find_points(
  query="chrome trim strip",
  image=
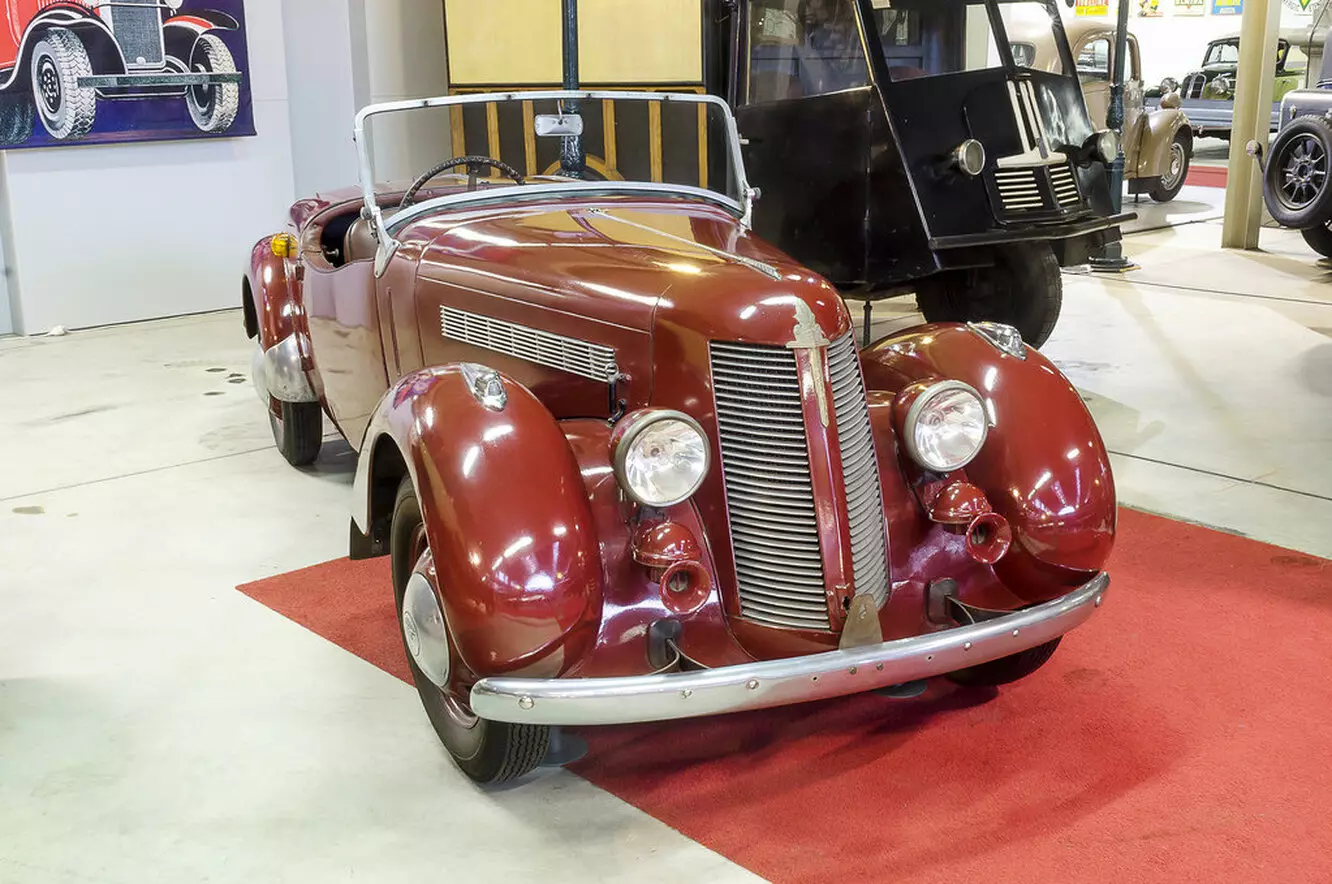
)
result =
(583, 358)
(283, 378)
(674, 695)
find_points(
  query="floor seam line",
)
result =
(133, 475)
(1236, 479)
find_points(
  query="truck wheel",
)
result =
(487, 751)
(298, 432)
(1177, 169)
(1295, 181)
(1319, 239)
(17, 113)
(213, 108)
(1005, 669)
(1023, 289)
(67, 109)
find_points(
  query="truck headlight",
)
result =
(660, 456)
(969, 157)
(945, 426)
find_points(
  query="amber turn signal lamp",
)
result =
(284, 245)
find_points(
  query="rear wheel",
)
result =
(487, 751)
(1319, 239)
(59, 61)
(298, 431)
(1005, 669)
(1023, 289)
(1176, 170)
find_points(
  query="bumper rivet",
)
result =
(1015, 632)
(686, 693)
(853, 670)
(526, 702)
(878, 666)
(967, 646)
(1098, 601)
(752, 684)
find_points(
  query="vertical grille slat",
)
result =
(750, 380)
(860, 471)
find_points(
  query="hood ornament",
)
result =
(809, 337)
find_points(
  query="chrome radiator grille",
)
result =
(1018, 189)
(1065, 186)
(765, 462)
(1193, 86)
(860, 471)
(137, 25)
(583, 358)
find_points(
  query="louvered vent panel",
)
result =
(582, 358)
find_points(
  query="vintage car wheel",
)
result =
(1295, 181)
(1319, 238)
(67, 109)
(213, 108)
(487, 751)
(1177, 169)
(17, 113)
(1023, 289)
(298, 431)
(1005, 669)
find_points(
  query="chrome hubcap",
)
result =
(423, 629)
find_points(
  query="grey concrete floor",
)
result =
(157, 726)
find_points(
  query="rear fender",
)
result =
(1043, 466)
(506, 515)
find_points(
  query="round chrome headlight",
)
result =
(1106, 145)
(946, 426)
(969, 157)
(1169, 84)
(660, 456)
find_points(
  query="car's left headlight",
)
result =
(660, 456)
(945, 426)
(1105, 145)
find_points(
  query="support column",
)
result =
(1259, 29)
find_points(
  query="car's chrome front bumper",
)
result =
(639, 698)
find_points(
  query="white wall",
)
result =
(114, 233)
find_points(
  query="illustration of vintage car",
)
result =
(1208, 94)
(1158, 144)
(1295, 172)
(629, 464)
(59, 59)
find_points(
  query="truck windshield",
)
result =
(926, 38)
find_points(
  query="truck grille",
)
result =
(1193, 86)
(137, 25)
(765, 462)
(1037, 188)
(1065, 186)
(860, 471)
(1018, 190)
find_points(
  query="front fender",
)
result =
(1043, 466)
(276, 301)
(506, 516)
(1153, 155)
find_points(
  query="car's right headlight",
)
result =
(660, 456)
(1169, 84)
(945, 426)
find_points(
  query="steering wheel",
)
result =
(473, 164)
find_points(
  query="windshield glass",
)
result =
(926, 38)
(1222, 53)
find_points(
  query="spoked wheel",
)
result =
(1005, 669)
(1295, 181)
(298, 431)
(1319, 238)
(1023, 289)
(487, 751)
(1177, 169)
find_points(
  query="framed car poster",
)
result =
(1092, 8)
(1190, 7)
(1227, 7)
(124, 71)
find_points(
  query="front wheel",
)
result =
(213, 107)
(487, 751)
(1295, 181)
(1023, 289)
(1177, 169)
(1319, 238)
(1005, 669)
(59, 61)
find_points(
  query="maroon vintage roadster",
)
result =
(630, 465)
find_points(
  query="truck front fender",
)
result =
(1043, 466)
(506, 516)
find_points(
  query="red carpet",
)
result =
(1183, 734)
(1207, 176)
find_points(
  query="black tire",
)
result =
(17, 114)
(1319, 239)
(1023, 289)
(59, 60)
(1167, 187)
(213, 108)
(1296, 185)
(488, 752)
(1005, 669)
(299, 432)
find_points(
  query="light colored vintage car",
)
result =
(1158, 144)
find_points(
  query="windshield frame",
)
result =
(384, 229)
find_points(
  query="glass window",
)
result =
(803, 47)
(1222, 53)
(1094, 61)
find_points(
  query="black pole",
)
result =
(1114, 117)
(572, 158)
